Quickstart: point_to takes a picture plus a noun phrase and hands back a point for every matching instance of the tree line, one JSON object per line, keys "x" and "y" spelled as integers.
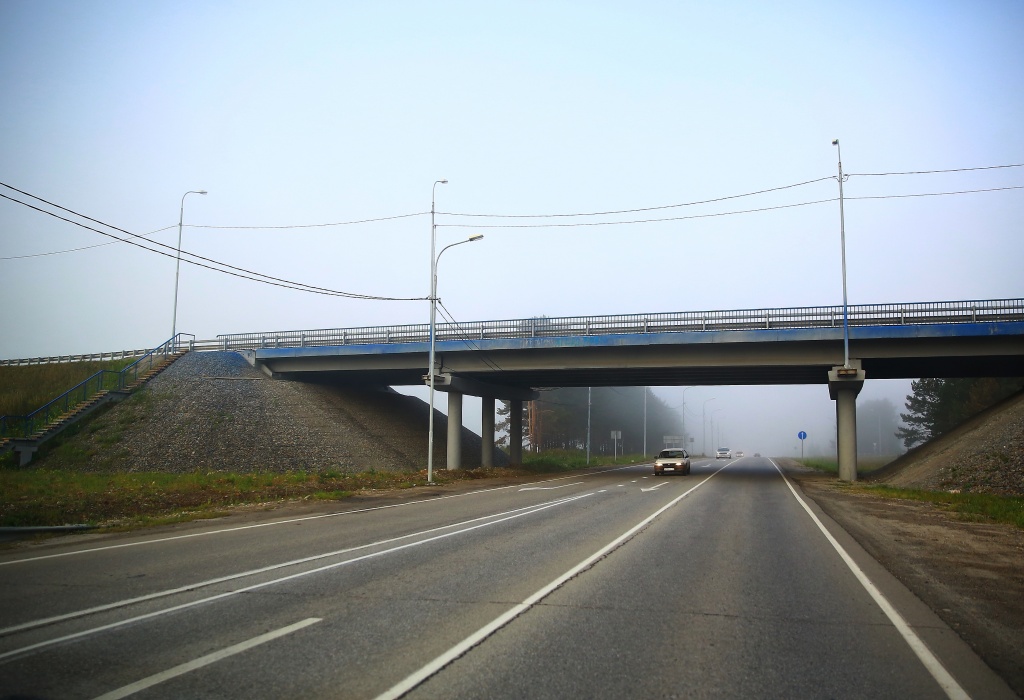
{"x": 938, "y": 405}
{"x": 558, "y": 420}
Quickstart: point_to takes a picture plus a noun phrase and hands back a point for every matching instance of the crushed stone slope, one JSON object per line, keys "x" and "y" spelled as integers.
{"x": 985, "y": 454}
{"x": 213, "y": 411}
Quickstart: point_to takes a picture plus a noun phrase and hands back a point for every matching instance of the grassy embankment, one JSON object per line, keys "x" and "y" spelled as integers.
{"x": 37, "y": 496}
{"x": 32, "y": 497}
{"x": 969, "y": 506}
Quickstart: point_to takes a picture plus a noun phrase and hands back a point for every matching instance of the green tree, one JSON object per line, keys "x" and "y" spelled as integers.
{"x": 938, "y": 405}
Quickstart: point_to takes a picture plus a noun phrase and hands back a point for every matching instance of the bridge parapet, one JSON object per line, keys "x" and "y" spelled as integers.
{"x": 941, "y": 312}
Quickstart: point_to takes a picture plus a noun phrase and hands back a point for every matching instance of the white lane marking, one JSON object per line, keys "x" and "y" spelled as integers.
{"x": 231, "y": 577}
{"x": 294, "y": 520}
{"x": 924, "y": 654}
{"x": 221, "y": 579}
{"x": 432, "y": 667}
{"x": 184, "y": 668}
{"x": 290, "y": 577}
{"x": 655, "y": 488}
{"x": 550, "y": 488}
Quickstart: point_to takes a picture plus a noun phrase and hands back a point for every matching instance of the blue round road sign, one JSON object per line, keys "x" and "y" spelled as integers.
{"x": 802, "y": 435}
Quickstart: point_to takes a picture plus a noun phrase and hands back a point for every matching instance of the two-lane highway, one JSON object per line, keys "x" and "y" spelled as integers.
{"x": 612, "y": 583}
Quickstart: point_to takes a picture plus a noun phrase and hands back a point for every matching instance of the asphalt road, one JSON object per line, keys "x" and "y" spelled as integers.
{"x": 609, "y": 584}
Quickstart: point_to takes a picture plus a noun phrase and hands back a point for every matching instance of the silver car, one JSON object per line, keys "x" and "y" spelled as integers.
{"x": 723, "y": 453}
{"x": 673, "y": 460}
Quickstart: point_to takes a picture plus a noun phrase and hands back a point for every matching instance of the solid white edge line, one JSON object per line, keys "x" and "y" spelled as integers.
{"x": 924, "y": 654}
{"x": 31, "y": 624}
{"x": 432, "y": 667}
{"x": 184, "y": 668}
{"x": 298, "y": 520}
{"x": 264, "y": 584}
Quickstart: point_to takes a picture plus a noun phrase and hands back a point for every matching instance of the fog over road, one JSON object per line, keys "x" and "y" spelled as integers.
{"x": 611, "y": 583}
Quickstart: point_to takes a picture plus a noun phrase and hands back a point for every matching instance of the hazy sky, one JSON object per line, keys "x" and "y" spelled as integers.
{"x": 306, "y": 113}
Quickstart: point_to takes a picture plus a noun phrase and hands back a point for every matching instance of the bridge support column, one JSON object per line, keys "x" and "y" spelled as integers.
{"x": 487, "y": 431}
{"x": 844, "y": 383}
{"x": 454, "y": 430}
{"x": 515, "y": 432}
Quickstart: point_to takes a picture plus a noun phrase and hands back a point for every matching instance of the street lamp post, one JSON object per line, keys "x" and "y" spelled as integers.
{"x": 433, "y": 313}
{"x": 683, "y": 414}
{"x": 703, "y": 426}
{"x": 842, "y": 238}
{"x": 177, "y": 264}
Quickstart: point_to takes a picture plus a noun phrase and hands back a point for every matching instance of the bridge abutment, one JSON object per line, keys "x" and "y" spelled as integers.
{"x": 844, "y": 383}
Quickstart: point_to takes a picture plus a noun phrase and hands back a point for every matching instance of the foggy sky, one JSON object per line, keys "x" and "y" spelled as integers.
{"x": 316, "y": 113}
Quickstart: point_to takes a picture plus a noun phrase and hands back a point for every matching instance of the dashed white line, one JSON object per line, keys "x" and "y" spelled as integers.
{"x": 184, "y": 668}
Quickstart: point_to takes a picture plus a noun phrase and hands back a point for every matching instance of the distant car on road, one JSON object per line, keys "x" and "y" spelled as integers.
{"x": 672, "y": 460}
{"x": 739, "y": 453}
{"x": 757, "y": 454}
{"x": 723, "y": 453}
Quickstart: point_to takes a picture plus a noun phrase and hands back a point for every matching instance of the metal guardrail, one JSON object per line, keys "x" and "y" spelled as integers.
{"x": 104, "y": 380}
{"x": 734, "y": 320}
{"x": 63, "y": 359}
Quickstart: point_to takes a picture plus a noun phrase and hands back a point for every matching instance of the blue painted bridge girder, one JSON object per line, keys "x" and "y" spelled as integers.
{"x": 704, "y": 357}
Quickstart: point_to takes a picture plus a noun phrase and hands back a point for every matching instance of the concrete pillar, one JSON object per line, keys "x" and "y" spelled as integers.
{"x": 487, "y": 431}
{"x": 454, "y": 430}
{"x": 515, "y": 432}
{"x": 844, "y": 383}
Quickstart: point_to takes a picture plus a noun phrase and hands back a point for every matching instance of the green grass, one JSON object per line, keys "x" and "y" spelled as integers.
{"x": 970, "y": 506}
{"x": 571, "y": 460}
{"x": 24, "y": 389}
{"x": 826, "y": 464}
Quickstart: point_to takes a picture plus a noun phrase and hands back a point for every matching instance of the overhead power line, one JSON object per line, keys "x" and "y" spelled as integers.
{"x": 932, "y": 172}
{"x": 633, "y": 211}
{"x": 223, "y": 267}
{"x": 75, "y": 250}
{"x": 337, "y": 223}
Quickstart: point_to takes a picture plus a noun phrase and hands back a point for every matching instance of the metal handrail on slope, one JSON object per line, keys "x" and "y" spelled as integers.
{"x": 731, "y": 320}
{"x": 104, "y": 380}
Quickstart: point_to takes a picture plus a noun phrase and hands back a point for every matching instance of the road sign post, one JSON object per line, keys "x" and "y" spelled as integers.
{"x": 803, "y": 436}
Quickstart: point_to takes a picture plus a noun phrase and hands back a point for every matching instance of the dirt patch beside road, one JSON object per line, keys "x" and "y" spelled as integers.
{"x": 970, "y": 574}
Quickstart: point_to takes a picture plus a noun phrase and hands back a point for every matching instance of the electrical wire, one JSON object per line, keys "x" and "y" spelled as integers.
{"x": 931, "y": 172}
{"x": 467, "y": 340}
{"x": 338, "y": 223}
{"x": 75, "y": 250}
{"x": 631, "y": 211}
{"x": 242, "y": 272}
{"x": 642, "y": 221}
{"x": 937, "y": 194}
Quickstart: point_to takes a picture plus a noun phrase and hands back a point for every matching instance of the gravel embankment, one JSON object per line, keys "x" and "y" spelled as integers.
{"x": 213, "y": 411}
{"x": 983, "y": 455}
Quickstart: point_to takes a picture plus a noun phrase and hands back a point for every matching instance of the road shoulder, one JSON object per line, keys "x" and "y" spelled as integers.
{"x": 970, "y": 574}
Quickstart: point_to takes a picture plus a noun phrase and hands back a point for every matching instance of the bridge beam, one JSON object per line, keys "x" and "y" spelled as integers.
{"x": 487, "y": 431}
{"x": 844, "y": 383}
{"x": 454, "y": 430}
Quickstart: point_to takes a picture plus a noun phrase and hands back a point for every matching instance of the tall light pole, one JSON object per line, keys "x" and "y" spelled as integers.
{"x": 433, "y": 313}
{"x": 589, "y": 392}
{"x": 177, "y": 264}
{"x": 842, "y": 238}
{"x": 703, "y": 427}
{"x": 683, "y": 414}
{"x": 645, "y": 421}
{"x": 717, "y": 442}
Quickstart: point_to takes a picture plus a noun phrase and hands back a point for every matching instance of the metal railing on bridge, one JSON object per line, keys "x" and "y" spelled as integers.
{"x": 104, "y": 380}
{"x": 541, "y": 327}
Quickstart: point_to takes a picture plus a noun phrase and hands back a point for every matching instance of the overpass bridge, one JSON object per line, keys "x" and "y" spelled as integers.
{"x": 511, "y": 359}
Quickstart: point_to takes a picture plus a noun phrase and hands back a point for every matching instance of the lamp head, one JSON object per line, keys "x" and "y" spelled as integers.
{"x": 835, "y": 142}
{"x": 443, "y": 181}
{"x": 477, "y": 237}
{"x": 202, "y": 191}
